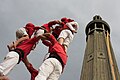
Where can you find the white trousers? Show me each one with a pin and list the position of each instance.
(9, 62)
(50, 69)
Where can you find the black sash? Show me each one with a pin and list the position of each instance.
(21, 54)
(55, 55)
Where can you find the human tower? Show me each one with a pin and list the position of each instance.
(56, 35)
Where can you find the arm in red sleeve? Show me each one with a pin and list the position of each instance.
(49, 37)
(31, 69)
(29, 66)
(52, 39)
(47, 43)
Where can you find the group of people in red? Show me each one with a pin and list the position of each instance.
(56, 34)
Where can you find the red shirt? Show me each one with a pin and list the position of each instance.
(27, 45)
(55, 47)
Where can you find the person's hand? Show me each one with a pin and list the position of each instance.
(14, 45)
(11, 47)
(4, 78)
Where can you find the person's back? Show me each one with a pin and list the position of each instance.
(22, 34)
(17, 54)
(65, 38)
(66, 35)
(53, 65)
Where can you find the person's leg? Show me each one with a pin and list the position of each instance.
(49, 70)
(9, 62)
(46, 69)
(57, 70)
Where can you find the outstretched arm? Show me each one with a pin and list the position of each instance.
(26, 62)
(46, 43)
(17, 42)
(50, 37)
(20, 40)
(29, 66)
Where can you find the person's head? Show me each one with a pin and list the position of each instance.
(63, 19)
(30, 28)
(29, 25)
(66, 20)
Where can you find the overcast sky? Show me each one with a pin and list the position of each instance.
(16, 13)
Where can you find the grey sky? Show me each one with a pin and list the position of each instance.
(16, 13)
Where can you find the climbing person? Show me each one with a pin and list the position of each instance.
(52, 67)
(66, 31)
(17, 54)
(22, 34)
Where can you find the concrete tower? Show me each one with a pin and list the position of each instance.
(99, 61)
